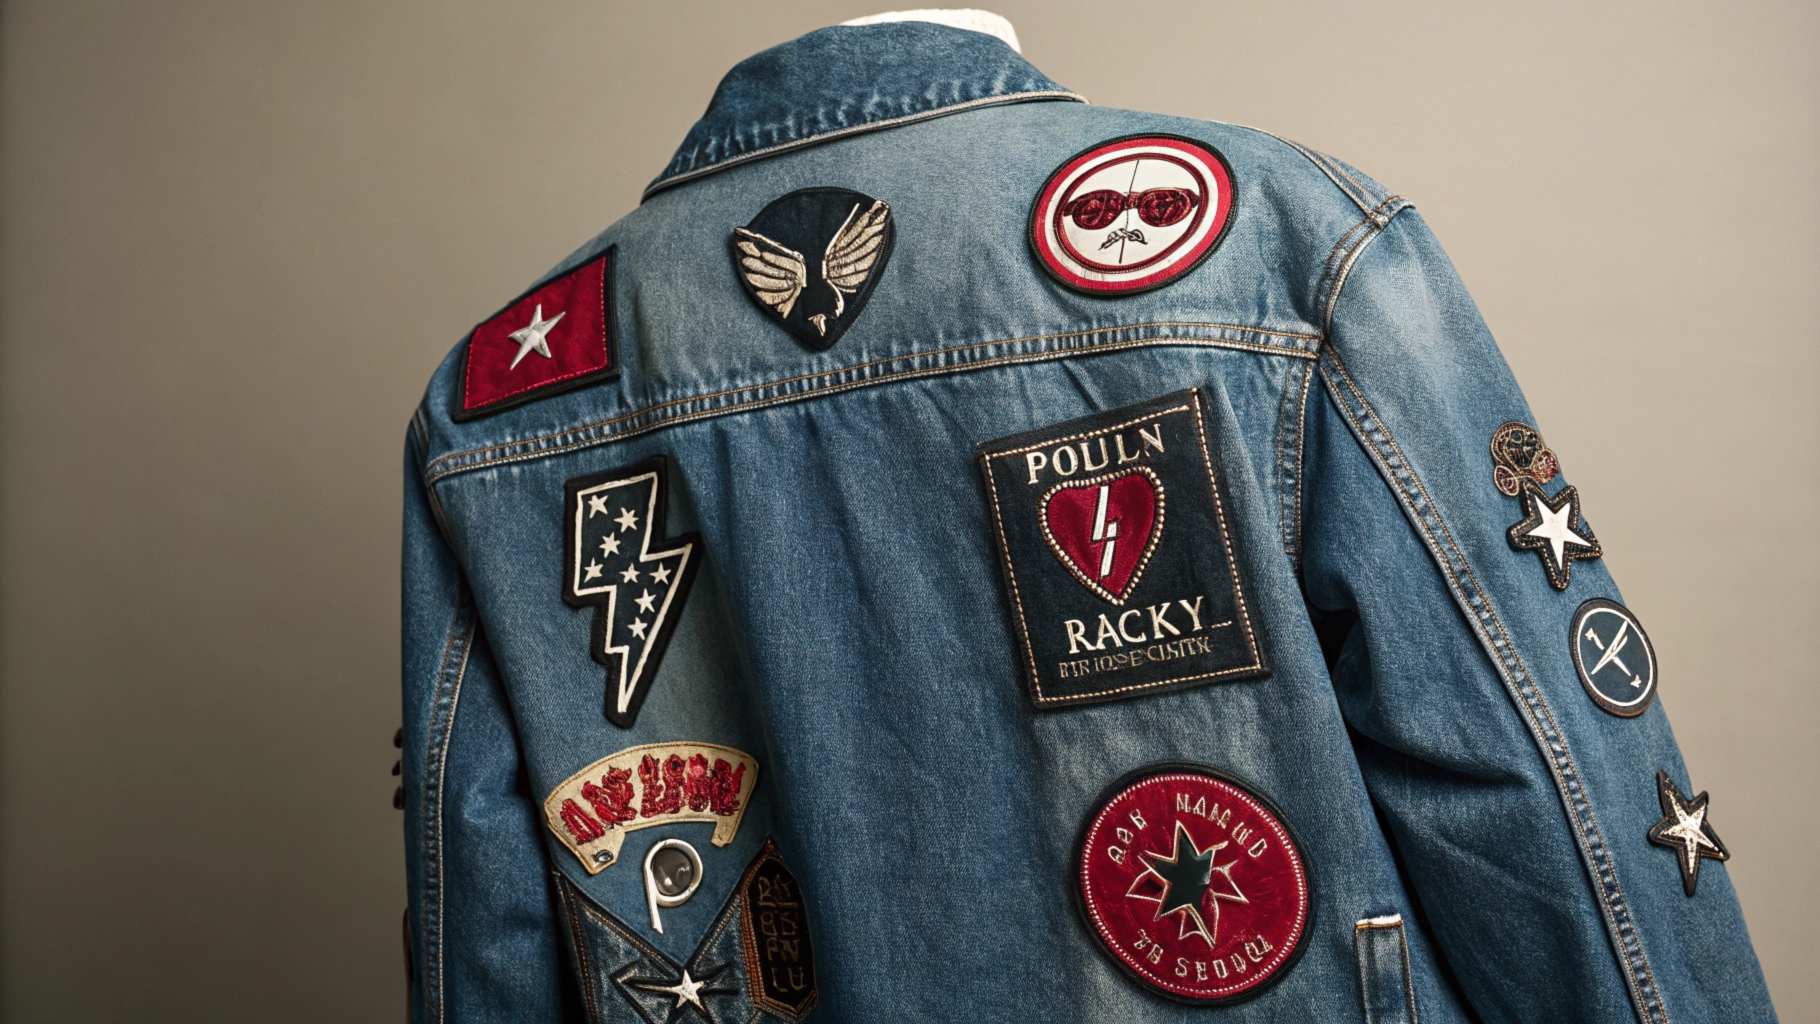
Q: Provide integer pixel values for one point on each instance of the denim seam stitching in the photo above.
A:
(1361, 199)
(1618, 916)
(1364, 979)
(1340, 261)
(448, 691)
(1409, 981)
(565, 891)
(585, 437)
(1639, 978)
(1301, 461)
(1295, 350)
(694, 172)
(1289, 498)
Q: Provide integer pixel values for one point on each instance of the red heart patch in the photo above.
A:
(1104, 529)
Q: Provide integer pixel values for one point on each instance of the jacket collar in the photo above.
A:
(848, 79)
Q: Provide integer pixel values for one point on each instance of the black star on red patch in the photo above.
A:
(1185, 878)
(1551, 527)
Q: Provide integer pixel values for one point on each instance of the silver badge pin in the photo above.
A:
(672, 874)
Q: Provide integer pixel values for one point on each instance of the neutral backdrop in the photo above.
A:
(237, 237)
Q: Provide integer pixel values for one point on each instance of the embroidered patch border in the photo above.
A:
(601, 368)
(632, 663)
(774, 928)
(593, 810)
(1201, 161)
(1518, 452)
(1583, 631)
(1213, 567)
(1535, 500)
(861, 233)
(1119, 830)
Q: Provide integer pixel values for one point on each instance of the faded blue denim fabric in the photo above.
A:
(1422, 728)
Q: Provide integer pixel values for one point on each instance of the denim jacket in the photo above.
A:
(808, 650)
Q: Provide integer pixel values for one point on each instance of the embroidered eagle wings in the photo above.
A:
(854, 251)
(775, 271)
(778, 274)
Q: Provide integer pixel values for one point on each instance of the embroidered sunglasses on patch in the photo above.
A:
(1157, 207)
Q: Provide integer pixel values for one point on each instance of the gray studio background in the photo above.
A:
(237, 238)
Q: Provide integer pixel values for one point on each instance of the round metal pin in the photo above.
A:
(672, 874)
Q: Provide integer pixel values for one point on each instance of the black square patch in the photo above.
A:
(1117, 556)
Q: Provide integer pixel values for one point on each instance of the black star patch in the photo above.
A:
(1180, 884)
(618, 563)
(1552, 529)
(1685, 830)
(812, 258)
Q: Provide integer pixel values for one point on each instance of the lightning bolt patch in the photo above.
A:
(619, 563)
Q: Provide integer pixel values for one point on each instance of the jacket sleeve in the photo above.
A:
(1519, 809)
(482, 933)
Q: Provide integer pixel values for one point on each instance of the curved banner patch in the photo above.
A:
(654, 784)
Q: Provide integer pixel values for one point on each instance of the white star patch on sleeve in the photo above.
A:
(1684, 829)
(1551, 527)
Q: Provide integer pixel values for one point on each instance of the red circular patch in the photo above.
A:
(1132, 214)
(1193, 885)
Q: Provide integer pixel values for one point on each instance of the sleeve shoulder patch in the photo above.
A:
(555, 337)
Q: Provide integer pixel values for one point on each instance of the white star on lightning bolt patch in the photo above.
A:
(635, 579)
(1553, 530)
(534, 337)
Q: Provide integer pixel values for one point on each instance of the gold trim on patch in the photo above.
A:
(649, 785)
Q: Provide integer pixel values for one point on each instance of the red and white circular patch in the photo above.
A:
(1132, 214)
(1193, 884)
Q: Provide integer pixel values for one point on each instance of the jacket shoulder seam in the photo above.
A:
(937, 363)
(1365, 197)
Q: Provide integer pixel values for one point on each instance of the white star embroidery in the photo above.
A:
(597, 503)
(638, 628)
(688, 990)
(661, 575)
(628, 520)
(593, 571)
(534, 336)
(1556, 528)
(646, 602)
(1687, 831)
(630, 575)
(610, 546)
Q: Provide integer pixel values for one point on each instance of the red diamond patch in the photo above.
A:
(553, 338)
